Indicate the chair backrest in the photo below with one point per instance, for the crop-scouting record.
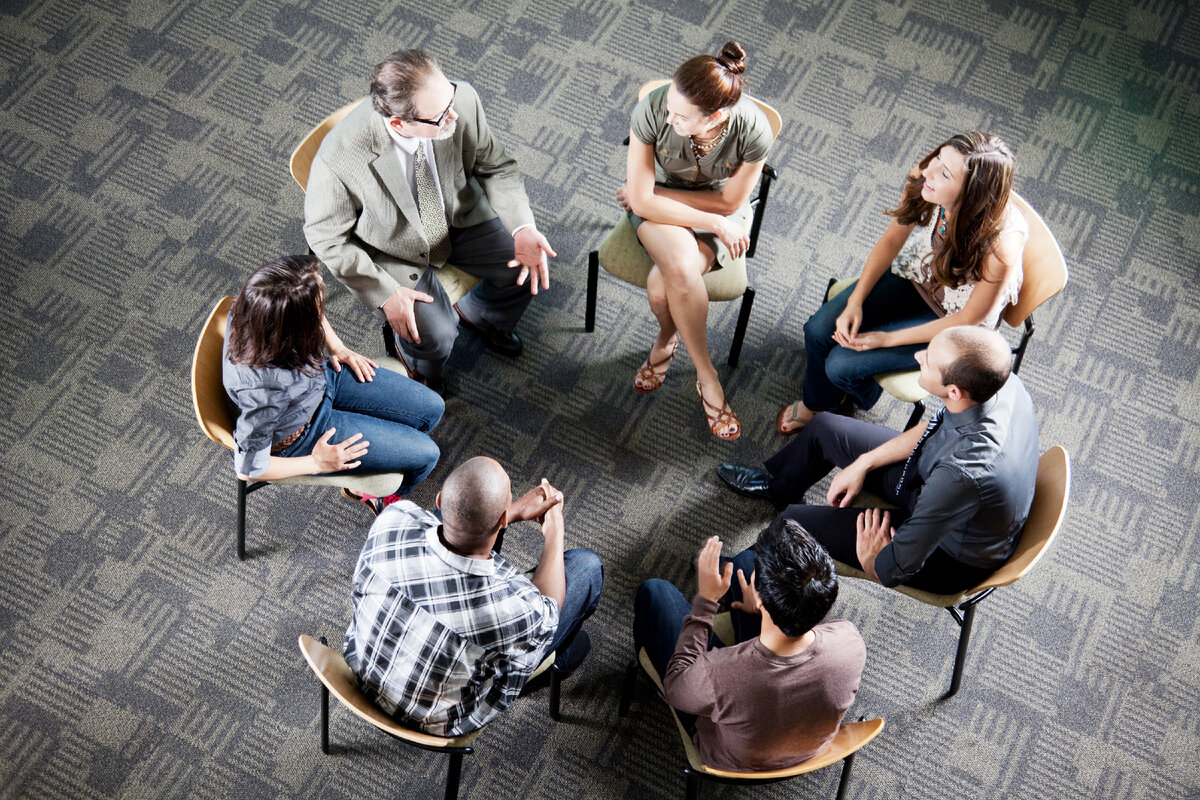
(773, 117)
(214, 412)
(302, 156)
(1044, 266)
(850, 737)
(1045, 518)
(333, 671)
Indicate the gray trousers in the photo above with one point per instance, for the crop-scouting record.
(483, 251)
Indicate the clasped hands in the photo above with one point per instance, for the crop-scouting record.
(540, 503)
(712, 582)
(846, 331)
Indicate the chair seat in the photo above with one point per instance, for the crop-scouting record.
(456, 283)
(902, 385)
(622, 256)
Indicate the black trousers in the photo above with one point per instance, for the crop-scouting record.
(483, 251)
(829, 441)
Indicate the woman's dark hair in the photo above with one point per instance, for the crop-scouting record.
(794, 576)
(975, 224)
(277, 317)
(712, 83)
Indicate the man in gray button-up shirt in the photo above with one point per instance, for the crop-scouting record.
(962, 484)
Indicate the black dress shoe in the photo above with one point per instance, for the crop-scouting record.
(494, 339)
(749, 482)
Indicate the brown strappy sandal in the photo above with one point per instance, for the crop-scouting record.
(651, 379)
(723, 418)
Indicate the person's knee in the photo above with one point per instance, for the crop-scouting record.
(649, 594)
(657, 296)
(588, 567)
(438, 331)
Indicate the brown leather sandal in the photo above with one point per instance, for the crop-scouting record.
(651, 379)
(723, 417)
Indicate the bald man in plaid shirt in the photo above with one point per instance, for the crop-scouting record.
(445, 631)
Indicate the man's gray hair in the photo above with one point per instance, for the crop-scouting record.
(397, 78)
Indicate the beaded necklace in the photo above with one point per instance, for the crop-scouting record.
(941, 221)
(699, 150)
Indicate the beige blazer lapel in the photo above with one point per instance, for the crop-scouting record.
(386, 165)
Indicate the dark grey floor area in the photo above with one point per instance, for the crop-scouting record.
(144, 172)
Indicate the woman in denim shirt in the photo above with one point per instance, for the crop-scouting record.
(283, 368)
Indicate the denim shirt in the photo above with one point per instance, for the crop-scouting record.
(977, 473)
(272, 403)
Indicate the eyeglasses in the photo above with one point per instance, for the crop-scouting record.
(437, 123)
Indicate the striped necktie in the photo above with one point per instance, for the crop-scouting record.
(433, 213)
(912, 457)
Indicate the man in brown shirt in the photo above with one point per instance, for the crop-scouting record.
(778, 696)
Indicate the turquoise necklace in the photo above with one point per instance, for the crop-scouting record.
(941, 221)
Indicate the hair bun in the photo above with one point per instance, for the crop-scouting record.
(733, 58)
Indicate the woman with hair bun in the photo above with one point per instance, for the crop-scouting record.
(951, 256)
(297, 386)
(696, 150)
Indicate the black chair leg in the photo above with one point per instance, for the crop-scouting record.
(849, 762)
(739, 333)
(915, 417)
(627, 686)
(555, 693)
(964, 638)
(453, 776)
(324, 719)
(694, 782)
(324, 713)
(241, 512)
(589, 321)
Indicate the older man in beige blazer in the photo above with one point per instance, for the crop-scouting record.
(414, 180)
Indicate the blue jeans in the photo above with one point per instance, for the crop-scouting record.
(392, 412)
(892, 304)
(585, 580)
(658, 612)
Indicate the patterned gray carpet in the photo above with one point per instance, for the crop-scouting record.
(144, 171)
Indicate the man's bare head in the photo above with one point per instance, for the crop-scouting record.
(474, 498)
(976, 360)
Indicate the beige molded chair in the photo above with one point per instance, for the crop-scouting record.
(217, 417)
(849, 738)
(456, 282)
(1045, 276)
(622, 255)
(1045, 518)
(337, 677)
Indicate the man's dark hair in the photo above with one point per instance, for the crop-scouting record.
(397, 78)
(983, 363)
(794, 576)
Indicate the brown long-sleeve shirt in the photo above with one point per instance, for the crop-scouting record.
(757, 710)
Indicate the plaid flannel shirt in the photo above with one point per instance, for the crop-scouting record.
(440, 641)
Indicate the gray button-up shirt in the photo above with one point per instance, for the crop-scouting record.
(272, 404)
(977, 472)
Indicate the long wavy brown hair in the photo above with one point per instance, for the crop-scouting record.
(276, 320)
(975, 223)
